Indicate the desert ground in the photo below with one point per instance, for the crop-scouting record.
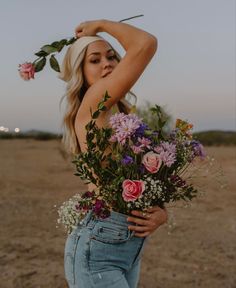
(196, 249)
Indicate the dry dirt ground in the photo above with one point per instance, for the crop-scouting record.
(197, 251)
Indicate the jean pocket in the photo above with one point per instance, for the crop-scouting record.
(69, 258)
(110, 233)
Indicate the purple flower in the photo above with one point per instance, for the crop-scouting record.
(88, 194)
(100, 209)
(145, 142)
(197, 149)
(124, 126)
(142, 169)
(173, 133)
(116, 119)
(141, 129)
(98, 206)
(167, 158)
(167, 152)
(178, 181)
(127, 160)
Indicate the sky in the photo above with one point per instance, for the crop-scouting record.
(192, 74)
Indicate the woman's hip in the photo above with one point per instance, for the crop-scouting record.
(101, 245)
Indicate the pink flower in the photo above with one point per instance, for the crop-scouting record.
(137, 149)
(145, 142)
(167, 153)
(26, 71)
(152, 161)
(124, 126)
(132, 189)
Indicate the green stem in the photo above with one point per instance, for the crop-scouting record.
(131, 18)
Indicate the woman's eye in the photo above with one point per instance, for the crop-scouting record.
(113, 57)
(94, 61)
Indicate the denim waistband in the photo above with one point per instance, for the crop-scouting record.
(114, 217)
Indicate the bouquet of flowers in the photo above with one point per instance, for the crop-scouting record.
(132, 166)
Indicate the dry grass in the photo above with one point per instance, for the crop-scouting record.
(34, 176)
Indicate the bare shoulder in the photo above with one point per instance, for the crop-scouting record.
(81, 120)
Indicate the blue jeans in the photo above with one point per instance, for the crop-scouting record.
(103, 253)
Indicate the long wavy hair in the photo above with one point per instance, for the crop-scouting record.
(75, 90)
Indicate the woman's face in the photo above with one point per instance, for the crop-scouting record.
(100, 60)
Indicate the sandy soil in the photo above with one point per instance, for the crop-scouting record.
(198, 251)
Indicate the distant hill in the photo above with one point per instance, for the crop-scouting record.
(216, 137)
(208, 138)
(31, 134)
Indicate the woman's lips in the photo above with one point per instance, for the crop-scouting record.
(106, 74)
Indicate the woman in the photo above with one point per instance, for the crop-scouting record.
(105, 253)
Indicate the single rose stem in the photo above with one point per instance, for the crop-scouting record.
(141, 15)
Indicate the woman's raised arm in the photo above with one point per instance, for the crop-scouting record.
(140, 46)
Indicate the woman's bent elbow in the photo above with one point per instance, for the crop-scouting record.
(153, 44)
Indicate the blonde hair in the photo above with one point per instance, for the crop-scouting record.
(72, 73)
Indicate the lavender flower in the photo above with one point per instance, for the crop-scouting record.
(127, 160)
(141, 129)
(145, 142)
(197, 149)
(137, 149)
(167, 152)
(124, 126)
(167, 158)
(116, 119)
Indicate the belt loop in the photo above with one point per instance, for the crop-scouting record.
(87, 218)
(131, 234)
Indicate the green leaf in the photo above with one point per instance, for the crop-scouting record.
(38, 66)
(49, 49)
(41, 53)
(54, 64)
(96, 114)
(55, 44)
(61, 45)
(71, 41)
(101, 105)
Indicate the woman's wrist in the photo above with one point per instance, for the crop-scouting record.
(102, 24)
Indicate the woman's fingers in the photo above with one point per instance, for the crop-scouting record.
(147, 222)
(154, 209)
(88, 28)
(138, 221)
(139, 228)
(141, 214)
(141, 235)
(79, 30)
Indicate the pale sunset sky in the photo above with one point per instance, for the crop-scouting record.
(192, 75)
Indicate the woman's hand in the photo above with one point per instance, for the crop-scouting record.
(88, 28)
(147, 222)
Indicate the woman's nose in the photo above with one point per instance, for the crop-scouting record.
(106, 63)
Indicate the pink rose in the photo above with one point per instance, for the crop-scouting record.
(152, 161)
(132, 189)
(26, 71)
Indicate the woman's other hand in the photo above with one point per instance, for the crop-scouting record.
(148, 222)
(88, 28)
